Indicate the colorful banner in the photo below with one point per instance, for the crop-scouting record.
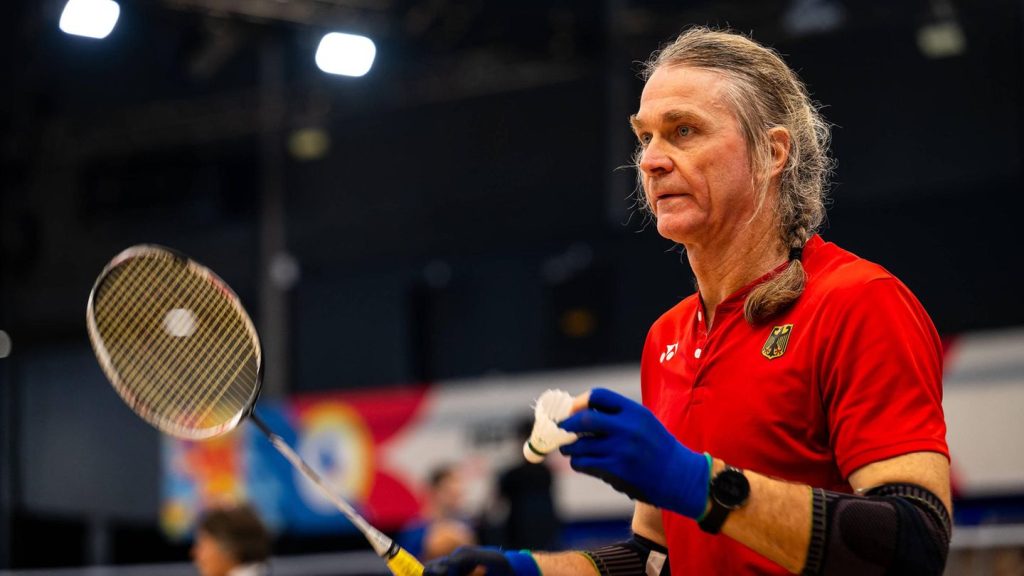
(340, 435)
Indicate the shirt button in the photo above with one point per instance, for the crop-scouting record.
(696, 353)
(700, 317)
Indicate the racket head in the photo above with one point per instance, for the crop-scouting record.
(175, 342)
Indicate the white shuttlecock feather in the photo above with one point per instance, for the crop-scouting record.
(551, 407)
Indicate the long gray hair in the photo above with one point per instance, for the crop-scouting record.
(765, 93)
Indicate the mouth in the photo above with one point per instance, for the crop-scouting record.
(660, 197)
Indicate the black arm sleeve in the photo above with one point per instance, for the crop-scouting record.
(637, 556)
(895, 529)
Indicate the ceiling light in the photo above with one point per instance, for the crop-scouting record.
(90, 18)
(345, 54)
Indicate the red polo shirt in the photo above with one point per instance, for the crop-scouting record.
(849, 375)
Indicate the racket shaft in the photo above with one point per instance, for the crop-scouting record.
(378, 540)
(399, 561)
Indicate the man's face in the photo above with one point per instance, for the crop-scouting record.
(448, 495)
(210, 558)
(694, 163)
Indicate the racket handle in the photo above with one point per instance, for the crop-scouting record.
(402, 563)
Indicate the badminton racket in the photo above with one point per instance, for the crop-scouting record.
(179, 348)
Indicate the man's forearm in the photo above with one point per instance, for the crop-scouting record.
(775, 521)
(564, 563)
(906, 505)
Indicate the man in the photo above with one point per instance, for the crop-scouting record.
(525, 492)
(231, 541)
(792, 418)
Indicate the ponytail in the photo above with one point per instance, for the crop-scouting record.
(778, 293)
(775, 295)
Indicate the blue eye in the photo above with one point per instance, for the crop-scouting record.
(644, 139)
(684, 130)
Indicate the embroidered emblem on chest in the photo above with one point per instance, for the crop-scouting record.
(775, 346)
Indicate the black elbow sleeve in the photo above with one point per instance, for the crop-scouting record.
(896, 529)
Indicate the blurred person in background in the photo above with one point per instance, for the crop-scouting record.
(231, 541)
(443, 526)
(792, 418)
(525, 496)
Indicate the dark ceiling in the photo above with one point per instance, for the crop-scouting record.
(469, 200)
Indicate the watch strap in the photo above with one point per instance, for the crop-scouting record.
(712, 521)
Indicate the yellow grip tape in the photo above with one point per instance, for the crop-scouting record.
(405, 564)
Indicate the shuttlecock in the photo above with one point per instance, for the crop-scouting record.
(551, 407)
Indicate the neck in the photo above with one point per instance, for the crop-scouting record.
(723, 267)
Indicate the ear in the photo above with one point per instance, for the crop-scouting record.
(780, 142)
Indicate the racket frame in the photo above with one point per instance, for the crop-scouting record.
(398, 559)
(162, 423)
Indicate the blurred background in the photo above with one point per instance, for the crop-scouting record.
(428, 246)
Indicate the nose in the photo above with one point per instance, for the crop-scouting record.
(653, 159)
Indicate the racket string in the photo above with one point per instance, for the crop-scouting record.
(122, 328)
(212, 370)
(197, 356)
(234, 347)
(154, 371)
(211, 361)
(134, 334)
(153, 368)
(206, 393)
(116, 317)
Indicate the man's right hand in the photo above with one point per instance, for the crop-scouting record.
(465, 560)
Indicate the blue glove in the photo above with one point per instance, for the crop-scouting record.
(466, 559)
(624, 444)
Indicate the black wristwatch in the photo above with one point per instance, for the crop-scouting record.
(728, 491)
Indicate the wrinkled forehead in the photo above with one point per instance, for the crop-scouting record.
(686, 81)
(675, 91)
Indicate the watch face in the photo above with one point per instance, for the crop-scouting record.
(731, 488)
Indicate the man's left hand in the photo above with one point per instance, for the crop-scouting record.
(469, 560)
(624, 444)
